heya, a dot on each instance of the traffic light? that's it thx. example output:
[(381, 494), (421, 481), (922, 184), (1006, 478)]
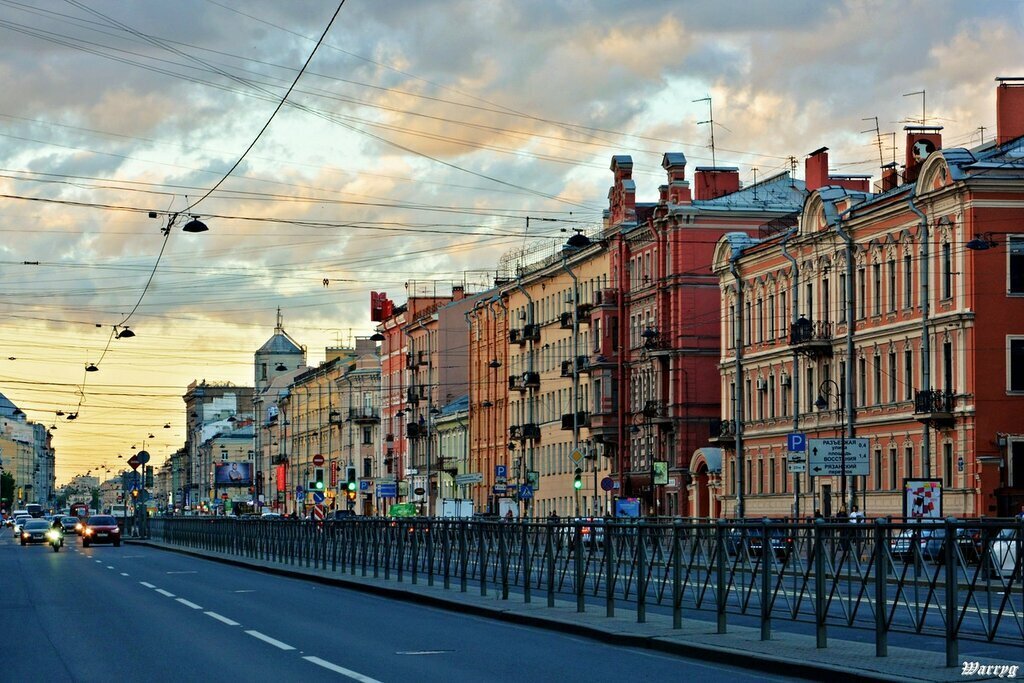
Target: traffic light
[(149, 476), (351, 484), (577, 480), (135, 493), (351, 493), (318, 479)]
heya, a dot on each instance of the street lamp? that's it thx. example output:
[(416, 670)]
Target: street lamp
[(984, 241), (825, 396)]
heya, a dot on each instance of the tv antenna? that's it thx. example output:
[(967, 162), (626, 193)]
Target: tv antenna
[(711, 121)]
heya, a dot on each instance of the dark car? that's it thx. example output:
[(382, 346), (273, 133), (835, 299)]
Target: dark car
[(780, 539), (101, 529), (927, 538), (34, 531), (68, 523)]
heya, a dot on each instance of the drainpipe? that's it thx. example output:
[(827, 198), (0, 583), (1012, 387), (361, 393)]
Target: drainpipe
[(926, 344), (530, 400), (850, 325), (738, 365), (795, 379), (575, 366)]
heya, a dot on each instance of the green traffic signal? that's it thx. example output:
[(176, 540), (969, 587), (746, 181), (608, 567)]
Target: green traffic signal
[(577, 480), (319, 485), (351, 486)]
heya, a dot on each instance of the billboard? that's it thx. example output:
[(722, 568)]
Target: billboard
[(233, 474), (922, 498)]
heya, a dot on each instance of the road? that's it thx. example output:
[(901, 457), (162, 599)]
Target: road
[(136, 613)]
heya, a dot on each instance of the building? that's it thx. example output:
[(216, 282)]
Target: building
[(889, 316), (360, 456)]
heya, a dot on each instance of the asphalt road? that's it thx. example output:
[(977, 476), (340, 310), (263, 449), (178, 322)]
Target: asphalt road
[(141, 614)]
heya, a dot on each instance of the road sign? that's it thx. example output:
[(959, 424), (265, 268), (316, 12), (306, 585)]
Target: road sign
[(825, 457), (299, 490), (576, 456), (364, 484), (796, 467), (499, 488), (318, 513), (318, 460), (419, 490), (796, 442), (469, 478), (134, 461), (387, 490), (501, 472), (143, 457), (607, 484), (318, 497), (525, 492)]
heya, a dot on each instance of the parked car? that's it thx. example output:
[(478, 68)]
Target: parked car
[(929, 540), (101, 529), (779, 538)]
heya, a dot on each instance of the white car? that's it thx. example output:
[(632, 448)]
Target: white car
[(1006, 548)]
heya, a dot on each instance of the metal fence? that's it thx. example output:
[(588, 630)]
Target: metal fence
[(949, 579)]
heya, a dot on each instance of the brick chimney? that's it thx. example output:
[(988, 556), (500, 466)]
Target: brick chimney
[(715, 181), (1009, 109), (921, 141), (890, 177), (458, 292), (816, 169), (622, 195), (678, 187)]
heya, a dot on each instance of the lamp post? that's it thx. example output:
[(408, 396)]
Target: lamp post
[(825, 395), (641, 419)]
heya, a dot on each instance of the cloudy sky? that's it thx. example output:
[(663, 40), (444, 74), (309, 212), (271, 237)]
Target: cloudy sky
[(409, 155)]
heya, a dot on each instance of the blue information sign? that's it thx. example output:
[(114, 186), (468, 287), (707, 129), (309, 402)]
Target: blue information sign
[(796, 442), (318, 497), (525, 492), (387, 490), (501, 471), (299, 490)]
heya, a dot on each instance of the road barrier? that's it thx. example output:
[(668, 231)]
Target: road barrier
[(952, 579)]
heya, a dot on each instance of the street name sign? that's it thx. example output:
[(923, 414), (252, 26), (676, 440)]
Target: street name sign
[(825, 457), (469, 478)]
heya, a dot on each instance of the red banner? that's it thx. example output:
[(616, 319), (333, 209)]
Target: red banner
[(282, 482)]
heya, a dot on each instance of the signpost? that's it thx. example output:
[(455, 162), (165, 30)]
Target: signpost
[(825, 457), (468, 478), (134, 461), (576, 456), (387, 490)]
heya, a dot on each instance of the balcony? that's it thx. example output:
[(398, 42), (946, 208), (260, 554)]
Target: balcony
[(515, 383), (413, 395), (812, 338), (516, 337), (415, 430), (410, 361), (582, 420), (654, 343), (655, 411), (934, 405), (582, 366), (599, 362), (279, 459), (723, 433), (422, 358), (531, 333), (583, 312), (524, 432), (565, 321), (364, 415), (606, 297), (531, 380)]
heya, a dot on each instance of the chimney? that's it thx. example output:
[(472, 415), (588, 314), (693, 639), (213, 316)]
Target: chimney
[(458, 292), (678, 188), (1009, 109), (715, 181), (890, 177), (921, 141), (816, 169), (622, 195)]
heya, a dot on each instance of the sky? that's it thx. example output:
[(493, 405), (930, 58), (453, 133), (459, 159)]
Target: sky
[(425, 144)]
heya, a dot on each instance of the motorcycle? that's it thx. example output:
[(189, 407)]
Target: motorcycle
[(56, 539)]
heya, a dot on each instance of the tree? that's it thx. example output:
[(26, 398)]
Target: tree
[(6, 490)]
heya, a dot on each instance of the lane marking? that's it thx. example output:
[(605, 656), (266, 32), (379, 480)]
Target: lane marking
[(223, 620), (424, 652), (272, 641), (189, 604), (124, 573), (245, 590), (109, 567), (191, 571), (147, 585), (355, 676), (161, 591)]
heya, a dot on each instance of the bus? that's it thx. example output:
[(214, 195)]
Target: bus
[(34, 509), (119, 511), (80, 510)]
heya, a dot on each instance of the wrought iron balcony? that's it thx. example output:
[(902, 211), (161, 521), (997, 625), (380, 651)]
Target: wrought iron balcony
[(515, 336), (582, 420), (366, 414), (934, 405), (813, 338), (723, 433), (531, 333), (606, 297), (565, 320)]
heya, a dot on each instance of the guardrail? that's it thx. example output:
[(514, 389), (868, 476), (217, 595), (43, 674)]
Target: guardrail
[(883, 576)]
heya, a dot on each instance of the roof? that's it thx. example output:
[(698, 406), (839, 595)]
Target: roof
[(280, 343), (459, 404), (775, 193), (6, 407)]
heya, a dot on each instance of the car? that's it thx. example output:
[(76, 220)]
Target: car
[(68, 523), (929, 540), (19, 522), (101, 529), (780, 540), (271, 516), (1006, 551), (34, 531)]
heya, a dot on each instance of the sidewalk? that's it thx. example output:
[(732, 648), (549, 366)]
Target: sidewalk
[(786, 654)]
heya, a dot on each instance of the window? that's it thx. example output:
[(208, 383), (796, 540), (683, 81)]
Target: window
[(1016, 473), (876, 273), (947, 366), (1015, 363), (771, 396), (750, 477), (749, 329), (862, 381), (947, 465), (771, 476), (908, 281), (826, 300), (842, 297), (730, 334), (908, 374), (878, 469), (367, 435), (908, 461), (760, 476), (892, 285), (771, 317), (1015, 276), (862, 291), (812, 391), (810, 301), (947, 271), (892, 468), (892, 377), (784, 311), (760, 320), (878, 380)]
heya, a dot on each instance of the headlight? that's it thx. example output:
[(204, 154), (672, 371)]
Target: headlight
[(52, 534), (88, 531), (25, 534), (115, 530), (78, 526)]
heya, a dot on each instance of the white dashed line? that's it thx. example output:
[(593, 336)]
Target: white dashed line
[(223, 620), (109, 567), (268, 639), (189, 604), (147, 585), (124, 573), (161, 591), (341, 670)]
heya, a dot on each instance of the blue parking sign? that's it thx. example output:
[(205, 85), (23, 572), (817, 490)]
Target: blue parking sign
[(500, 471), (796, 442)]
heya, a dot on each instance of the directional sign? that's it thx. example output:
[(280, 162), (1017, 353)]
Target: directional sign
[(387, 490), (469, 478), (318, 497), (318, 460), (825, 457), (796, 442)]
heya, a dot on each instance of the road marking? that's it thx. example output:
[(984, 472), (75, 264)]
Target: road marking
[(161, 591), (98, 561), (268, 639), (124, 573), (245, 590), (223, 620), (425, 652), (189, 604), (109, 567), (341, 670), (191, 571), (147, 585)]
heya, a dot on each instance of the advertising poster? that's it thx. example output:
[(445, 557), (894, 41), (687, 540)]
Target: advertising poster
[(233, 474), (922, 498)]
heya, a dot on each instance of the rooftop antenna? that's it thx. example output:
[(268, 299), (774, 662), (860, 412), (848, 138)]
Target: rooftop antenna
[(792, 171), (711, 121), (924, 102), (981, 129), (280, 321), (754, 169), (878, 138)]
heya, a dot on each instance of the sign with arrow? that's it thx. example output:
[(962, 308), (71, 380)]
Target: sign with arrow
[(825, 457)]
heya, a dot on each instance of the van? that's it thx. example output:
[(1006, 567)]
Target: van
[(34, 509)]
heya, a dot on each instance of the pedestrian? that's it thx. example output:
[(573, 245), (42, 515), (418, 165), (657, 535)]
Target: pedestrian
[(553, 517), (842, 517), (817, 514), (857, 517), (508, 516), (1021, 515)]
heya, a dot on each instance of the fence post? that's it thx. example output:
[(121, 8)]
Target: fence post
[(676, 558), (881, 586), (578, 565), (524, 552), (949, 550), (821, 632), (767, 556), (463, 555), (480, 564), (641, 575), (609, 569), (720, 557), (549, 554), (503, 542)]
